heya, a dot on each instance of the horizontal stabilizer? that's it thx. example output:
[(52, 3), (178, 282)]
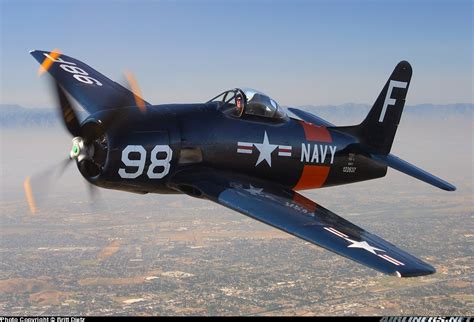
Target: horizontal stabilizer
[(411, 170)]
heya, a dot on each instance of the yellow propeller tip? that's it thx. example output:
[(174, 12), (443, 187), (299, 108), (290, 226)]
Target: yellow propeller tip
[(29, 195), (135, 90), (48, 61)]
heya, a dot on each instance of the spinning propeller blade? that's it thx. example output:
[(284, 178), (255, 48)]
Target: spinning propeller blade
[(89, 138), (69, 116), (133, 86), (38, 186), (43, 182)]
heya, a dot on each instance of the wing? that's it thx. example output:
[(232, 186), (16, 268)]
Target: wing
[(91, 89), (291, 212)]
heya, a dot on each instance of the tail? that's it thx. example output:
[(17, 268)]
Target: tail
[(378, 129)]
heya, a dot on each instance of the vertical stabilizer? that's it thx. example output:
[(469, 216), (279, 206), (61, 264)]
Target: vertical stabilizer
[(378, 129)]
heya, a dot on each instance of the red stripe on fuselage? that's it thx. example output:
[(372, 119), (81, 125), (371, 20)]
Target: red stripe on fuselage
[(314, 176), (316, 133)]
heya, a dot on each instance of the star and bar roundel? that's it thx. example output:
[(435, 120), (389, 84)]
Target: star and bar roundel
[(317, 154), (265, 150)]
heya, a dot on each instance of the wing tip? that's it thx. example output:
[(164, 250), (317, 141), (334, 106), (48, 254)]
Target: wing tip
[(426, 270), (449, 187), (35, 51)]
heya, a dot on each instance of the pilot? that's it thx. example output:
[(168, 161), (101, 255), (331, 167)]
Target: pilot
[(239, 104)]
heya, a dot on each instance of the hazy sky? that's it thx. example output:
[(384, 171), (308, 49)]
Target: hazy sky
[(299, 52)]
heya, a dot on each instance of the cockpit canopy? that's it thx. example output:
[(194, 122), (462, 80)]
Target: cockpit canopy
[(246, 101)]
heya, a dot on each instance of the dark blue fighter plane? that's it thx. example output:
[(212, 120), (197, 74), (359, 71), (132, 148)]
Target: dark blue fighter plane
[(241, 150)]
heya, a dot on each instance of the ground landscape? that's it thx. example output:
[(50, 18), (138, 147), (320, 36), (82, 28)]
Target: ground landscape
[(175, 255)]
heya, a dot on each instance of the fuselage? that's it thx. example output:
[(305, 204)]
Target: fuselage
[(149, 148)]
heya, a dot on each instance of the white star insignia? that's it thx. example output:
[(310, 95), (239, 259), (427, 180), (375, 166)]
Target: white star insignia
[(254, 190), (364, 245), (265, 150)]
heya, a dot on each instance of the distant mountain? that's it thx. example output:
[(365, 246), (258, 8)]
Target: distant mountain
[(18, 116), (12, 116), (356, 112)]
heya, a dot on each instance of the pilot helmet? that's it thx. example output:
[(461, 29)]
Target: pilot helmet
[(240, 103)]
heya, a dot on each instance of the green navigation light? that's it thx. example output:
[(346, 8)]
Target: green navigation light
[(75, 149)]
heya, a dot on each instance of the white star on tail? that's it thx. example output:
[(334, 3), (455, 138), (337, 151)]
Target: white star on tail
[(265, 150), (364, 245)]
